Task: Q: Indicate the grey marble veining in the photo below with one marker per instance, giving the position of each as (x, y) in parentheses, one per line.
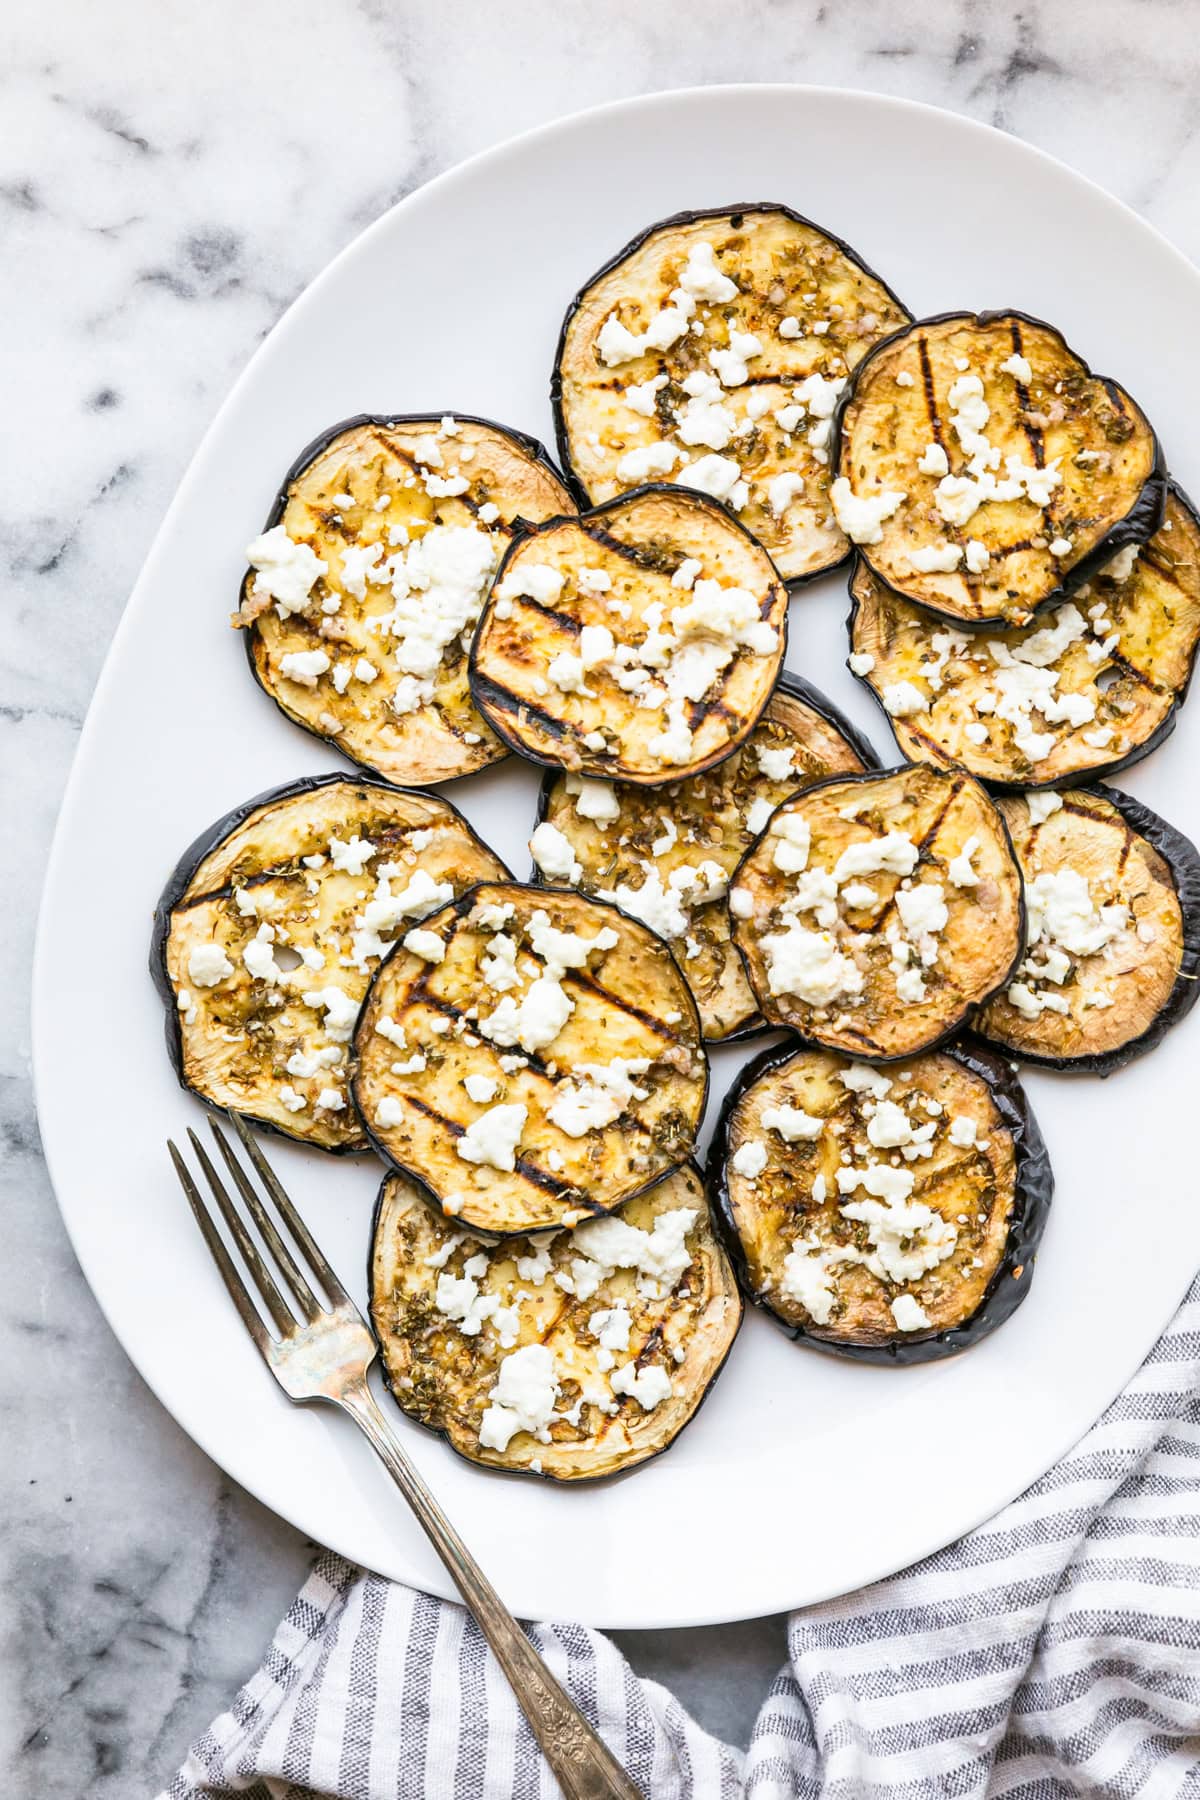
(170, 178)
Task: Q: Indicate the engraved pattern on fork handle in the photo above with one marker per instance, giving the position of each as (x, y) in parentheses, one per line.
(584, 1766)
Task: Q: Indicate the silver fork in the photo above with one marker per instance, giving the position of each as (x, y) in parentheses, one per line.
(324, 1354)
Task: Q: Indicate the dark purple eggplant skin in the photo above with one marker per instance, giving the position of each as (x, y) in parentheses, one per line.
(588, 1481)
(1137, 527)
(532, 446)
(960, 1024)
(480, 685)
(176, 886)
(1095, 771)
(635, 243)
(1034, 1191)
(1183, 859)
(801, 690)
(461, 906)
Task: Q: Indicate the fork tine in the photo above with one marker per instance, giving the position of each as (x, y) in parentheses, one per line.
(261, 1276)
(301, 1292)
(291, 1218)
(247, 1311)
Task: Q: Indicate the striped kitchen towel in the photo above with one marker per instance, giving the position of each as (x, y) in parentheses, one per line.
(1053, 1652)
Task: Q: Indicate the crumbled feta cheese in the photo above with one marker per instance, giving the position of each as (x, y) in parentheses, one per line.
(595, 800)
(1041, 805)
(646, 462)
(978, 556)
(340, 1008)
(861, 1078)
(521, 1398)
(303, 666)
(749, 1160)
(892, 854)
(285, 570)
(649, 1386)
(639, 396)
(809, 965)
(389, 1113)
(208, 965)
(291, 1099)
(782, 490)
(792, 1123)
(481, 1088)
(553, 854)
(861, 517)
(808, 1280)
(701, 277)
(493, 1137)
(718, 476)
(777, 762)
(934, 559)
(1018, 367)
(758, 814)
(534, 1021)
(901, 699)
(909, 1314)
(351, 858)
(1120, 568)
(861, 662)
(962, 1132)
(425, 944)
(933, 460)
(959, 868)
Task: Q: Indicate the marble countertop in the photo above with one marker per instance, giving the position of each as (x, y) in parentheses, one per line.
(170, 178)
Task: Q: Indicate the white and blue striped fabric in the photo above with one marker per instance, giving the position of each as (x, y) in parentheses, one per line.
(1054, 1652)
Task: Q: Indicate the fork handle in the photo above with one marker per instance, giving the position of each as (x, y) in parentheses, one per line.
(583, 1764)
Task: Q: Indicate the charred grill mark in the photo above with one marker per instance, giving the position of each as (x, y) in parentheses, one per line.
(927, 841)
(538, 1177)
(937, 751)
(505, 701)
(647, 561)
(1139, 675)
(1033, 433)
(565, 621)
(863, 1037)
(931, 405)
(581, 979)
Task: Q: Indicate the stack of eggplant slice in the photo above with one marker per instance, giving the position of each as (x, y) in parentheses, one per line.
(741, 405)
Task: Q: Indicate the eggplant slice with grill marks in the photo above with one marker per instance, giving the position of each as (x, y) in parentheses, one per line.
(571, 1355)
(1091, 690)
(530, 1058)
(984, 471)
(267, 933)
(364, 590)
(712, 350)
(669, 864)
(1112, 894)
(923, 1240)
(876, 913)
(639, 642)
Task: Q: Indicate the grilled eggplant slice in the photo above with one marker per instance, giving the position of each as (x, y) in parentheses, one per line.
(1095, 688)
(877, 912)
(365, 587)
(641, 641)
(888, 1215)
(618, 1329)
(712, 349)
(984, 470)
(267, 933)
(669, 865)
(1113, 902)
(530, 1058)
